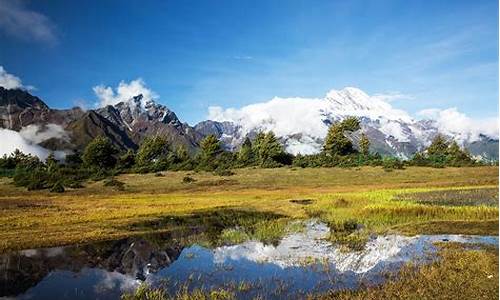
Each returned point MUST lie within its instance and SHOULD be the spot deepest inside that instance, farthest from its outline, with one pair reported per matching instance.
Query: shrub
(75, 185)
(390, 164)
(223, 172)
(112, 182)
(100, 154)
(188, 179)
(35, 185)
(57, 188)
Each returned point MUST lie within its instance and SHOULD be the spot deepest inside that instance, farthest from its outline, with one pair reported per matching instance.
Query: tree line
(101, 159)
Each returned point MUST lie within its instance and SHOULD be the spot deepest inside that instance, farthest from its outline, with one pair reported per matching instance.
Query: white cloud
(301, 121)
(304, 118)
(9, 81)
(18, 21)
(451, 121)
(12, 140)
(284, 116)
(392, 96)
(27, 139)
(124, 92)
(37, 134)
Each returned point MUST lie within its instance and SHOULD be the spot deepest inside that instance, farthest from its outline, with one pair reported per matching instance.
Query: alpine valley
(301, 124)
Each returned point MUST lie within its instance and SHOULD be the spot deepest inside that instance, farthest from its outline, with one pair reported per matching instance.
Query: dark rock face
(18, 109)
(228, 133)
(141, 120)
(485, 147)
(92, 125)
(126, 124)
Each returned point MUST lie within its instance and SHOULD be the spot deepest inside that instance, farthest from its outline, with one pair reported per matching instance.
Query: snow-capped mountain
(302, 124)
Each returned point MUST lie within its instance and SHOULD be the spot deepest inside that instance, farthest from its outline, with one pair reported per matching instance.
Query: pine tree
(210, 147)
(51, 163)
(210, 151)
(181, 153)
(336, 142)
(100, 154)
(127, 160)
(439, 146)
(364, 145)
(246, 154)
(151, 151)
(270, 150)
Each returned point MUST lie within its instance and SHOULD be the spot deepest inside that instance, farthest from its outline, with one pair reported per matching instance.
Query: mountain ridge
(301, 127)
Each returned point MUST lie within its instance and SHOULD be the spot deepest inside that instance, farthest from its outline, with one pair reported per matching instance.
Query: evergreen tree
(100, 154)
(270, 150)
(246, 154)
(181, 153)
(439, 146)
(151, 151)
(51, 163)
(210, 150)
(210, 147)
(259, 138)
(336, 142)
(127, 160)
(364, 145)
(350, 124)
(443, 152)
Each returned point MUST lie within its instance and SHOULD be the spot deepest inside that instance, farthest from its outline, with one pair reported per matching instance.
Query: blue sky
(197, 54)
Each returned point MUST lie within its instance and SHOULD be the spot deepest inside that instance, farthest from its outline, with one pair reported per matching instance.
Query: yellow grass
(36, 219)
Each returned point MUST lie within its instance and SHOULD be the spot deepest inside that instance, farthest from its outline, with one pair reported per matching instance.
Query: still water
(300, 264)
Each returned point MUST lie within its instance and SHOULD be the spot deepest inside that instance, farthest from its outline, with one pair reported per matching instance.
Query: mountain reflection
(135, 257)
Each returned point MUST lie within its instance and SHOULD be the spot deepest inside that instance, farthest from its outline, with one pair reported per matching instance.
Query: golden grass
(38, 219)
(458, 274)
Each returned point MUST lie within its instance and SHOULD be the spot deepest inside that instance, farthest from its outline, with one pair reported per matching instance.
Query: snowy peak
(350, 97)
(138, 109)
(353, 101)
(302, 123)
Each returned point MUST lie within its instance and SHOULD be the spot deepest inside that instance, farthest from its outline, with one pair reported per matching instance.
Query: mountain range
(301, 124)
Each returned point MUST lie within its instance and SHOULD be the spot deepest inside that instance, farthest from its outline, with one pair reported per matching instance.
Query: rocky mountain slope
(301, 124)
(126, 124)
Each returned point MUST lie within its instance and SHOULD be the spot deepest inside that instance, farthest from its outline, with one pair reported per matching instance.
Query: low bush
(223, 172)
(390, 164)
(57, 188)
(188, 179)
(112, 182)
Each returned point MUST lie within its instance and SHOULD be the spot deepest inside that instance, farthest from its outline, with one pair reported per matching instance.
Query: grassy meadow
(262, 202)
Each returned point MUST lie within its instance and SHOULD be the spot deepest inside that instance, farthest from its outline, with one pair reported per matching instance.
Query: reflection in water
(125, 260)
(299, 264)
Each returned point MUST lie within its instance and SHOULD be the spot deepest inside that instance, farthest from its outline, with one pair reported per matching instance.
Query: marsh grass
(348, 234)
(144, 292)
(461, 197)
(233, 236)
(267, 231)
(458, 273)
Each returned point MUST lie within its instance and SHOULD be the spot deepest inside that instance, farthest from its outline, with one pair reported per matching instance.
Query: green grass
(460, 197)
(31, 219)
